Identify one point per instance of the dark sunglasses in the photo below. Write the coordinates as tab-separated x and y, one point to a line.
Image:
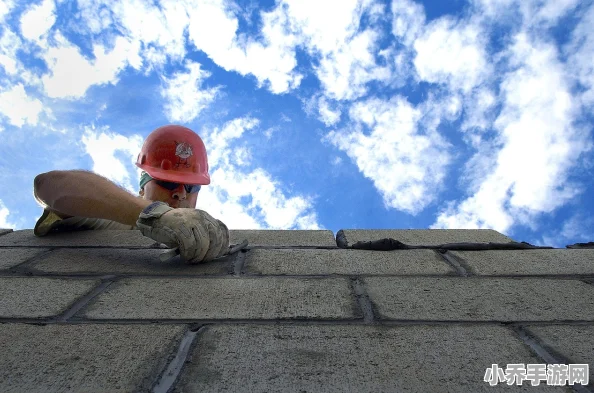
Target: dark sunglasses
190	188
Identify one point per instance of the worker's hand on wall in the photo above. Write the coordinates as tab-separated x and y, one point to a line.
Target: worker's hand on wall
198	235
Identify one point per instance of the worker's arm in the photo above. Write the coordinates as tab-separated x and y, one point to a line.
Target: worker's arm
86	194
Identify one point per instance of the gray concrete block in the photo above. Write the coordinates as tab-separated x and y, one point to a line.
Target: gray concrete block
574	342
322	358
84	358
480	299
269	237
107	238
124	261
351	262
525	262
4	231
427	237
10	257
37	297
225	298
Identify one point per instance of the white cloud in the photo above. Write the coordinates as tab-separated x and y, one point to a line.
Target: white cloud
5	7
4	213
526	170
213	29
103	145
9	44
38	19
408	20
580	52
405	162
328	115
330	31
71	74
19	108
248	199
184	100
451	53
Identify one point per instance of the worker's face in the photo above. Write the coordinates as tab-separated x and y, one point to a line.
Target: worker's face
174	198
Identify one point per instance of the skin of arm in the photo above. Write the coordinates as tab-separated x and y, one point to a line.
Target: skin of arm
87	194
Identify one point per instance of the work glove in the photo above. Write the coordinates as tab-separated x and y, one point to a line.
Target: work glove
198	235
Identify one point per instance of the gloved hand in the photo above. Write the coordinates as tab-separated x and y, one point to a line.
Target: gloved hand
198	235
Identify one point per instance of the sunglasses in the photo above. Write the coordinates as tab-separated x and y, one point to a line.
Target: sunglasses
190	188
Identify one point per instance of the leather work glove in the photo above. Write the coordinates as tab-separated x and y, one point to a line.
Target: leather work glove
198	235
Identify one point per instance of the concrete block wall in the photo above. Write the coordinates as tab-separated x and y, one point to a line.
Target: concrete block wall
98	311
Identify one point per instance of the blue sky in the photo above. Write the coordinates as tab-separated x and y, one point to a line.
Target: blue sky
329	114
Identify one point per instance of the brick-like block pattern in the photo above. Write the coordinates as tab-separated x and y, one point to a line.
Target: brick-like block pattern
574	342
269	237
105	238
352	262
4	231
480	299
260	358
37	297
10	257
226	298
84	358
124	261
427	237
528	262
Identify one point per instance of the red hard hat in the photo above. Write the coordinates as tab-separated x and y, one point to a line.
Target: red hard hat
176	154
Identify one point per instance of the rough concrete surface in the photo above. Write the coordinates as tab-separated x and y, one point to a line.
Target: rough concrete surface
10	257
124	261
269	237
84	358
4	231
427	237
480	299
105	238
225	298
574	342
309	262
36	297
351	359
525	262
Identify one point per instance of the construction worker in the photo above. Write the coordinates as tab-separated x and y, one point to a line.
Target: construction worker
175	166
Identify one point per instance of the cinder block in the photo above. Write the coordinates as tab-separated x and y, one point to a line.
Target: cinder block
269	237
37	297
4	231
10	257
526	262
427	237
574	342
84	358
403	262
124	261
480	299
107	238
322	358
225	298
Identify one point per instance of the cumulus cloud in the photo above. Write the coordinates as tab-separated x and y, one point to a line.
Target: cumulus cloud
331	32
527	170
71	74
19	107
405	160
452	53
184	98
113	155
4	213
214	29
248	199
38	19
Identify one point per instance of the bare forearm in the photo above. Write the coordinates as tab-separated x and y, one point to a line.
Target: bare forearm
86	194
